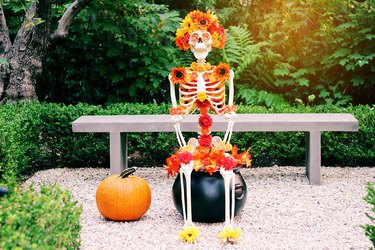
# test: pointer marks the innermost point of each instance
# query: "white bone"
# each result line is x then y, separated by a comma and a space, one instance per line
186, 170
228, 179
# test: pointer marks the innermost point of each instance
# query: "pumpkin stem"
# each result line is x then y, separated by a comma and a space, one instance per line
127, 172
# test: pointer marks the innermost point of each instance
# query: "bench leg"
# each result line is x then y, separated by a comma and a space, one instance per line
118, 148
313, 156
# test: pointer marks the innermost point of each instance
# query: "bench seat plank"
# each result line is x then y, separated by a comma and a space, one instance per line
243, 122
312, 124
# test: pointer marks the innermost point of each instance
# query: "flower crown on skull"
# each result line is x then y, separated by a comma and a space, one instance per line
198, 20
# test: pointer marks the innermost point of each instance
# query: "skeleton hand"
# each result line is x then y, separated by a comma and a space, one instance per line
176, 118
230, 112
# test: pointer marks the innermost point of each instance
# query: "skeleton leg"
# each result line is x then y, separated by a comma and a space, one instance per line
180, 137
186, 170
228, 133
229, 211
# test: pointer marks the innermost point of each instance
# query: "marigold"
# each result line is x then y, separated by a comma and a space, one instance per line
227, 163
201, 96
205, 121
185, 157
205, 140
178, 75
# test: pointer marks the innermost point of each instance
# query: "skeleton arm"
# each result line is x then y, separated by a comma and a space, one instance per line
230, 110
176, 118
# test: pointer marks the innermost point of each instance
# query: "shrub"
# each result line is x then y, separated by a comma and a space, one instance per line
51, 143
45, 220
370, 198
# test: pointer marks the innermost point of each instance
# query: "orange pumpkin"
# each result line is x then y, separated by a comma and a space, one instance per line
123, 197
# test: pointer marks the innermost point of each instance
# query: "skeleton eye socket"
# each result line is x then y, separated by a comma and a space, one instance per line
194, 38
206, 37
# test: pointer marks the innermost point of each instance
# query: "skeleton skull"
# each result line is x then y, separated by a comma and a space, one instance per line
200, 44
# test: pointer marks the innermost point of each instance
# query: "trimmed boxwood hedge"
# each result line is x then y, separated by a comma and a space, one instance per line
35, 136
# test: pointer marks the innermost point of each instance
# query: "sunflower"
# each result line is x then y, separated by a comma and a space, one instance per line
188, 25
222, 72
204, 21
189, 234
178, 75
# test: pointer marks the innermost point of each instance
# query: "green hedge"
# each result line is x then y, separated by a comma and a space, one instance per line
39, 220
39, 135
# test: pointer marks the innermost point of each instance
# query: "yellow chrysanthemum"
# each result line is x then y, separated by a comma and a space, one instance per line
201, 96
189, 234
230, 235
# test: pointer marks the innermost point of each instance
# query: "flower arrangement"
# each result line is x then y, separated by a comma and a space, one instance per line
210, 153
202, 87
197, 20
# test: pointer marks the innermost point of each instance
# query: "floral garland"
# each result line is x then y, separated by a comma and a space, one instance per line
210, 155
182, 75
197, 20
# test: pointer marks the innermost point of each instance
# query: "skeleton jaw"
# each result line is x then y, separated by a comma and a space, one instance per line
200, 44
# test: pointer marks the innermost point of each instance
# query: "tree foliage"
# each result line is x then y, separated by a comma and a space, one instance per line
116, 51
320, 48
282, 51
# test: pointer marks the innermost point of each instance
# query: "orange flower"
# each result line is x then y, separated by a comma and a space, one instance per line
211, 168
173, 165
178, 75
243, 158
222, 72
203, 21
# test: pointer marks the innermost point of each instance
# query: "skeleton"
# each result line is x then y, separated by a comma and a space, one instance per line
201, 44
199, 83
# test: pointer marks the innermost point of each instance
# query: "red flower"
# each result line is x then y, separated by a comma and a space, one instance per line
205, 140
205, 121
185, 157
227, 163
203, 107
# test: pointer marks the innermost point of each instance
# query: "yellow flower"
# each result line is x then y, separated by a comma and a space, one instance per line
186, 149
222, 146
230, 235
201, 96
189, 234
188, 25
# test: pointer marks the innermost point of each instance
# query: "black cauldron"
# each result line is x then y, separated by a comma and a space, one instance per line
208, 197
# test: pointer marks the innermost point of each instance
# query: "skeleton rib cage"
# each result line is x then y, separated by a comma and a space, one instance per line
213, 88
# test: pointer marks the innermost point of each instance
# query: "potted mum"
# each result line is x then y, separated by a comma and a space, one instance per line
209, 186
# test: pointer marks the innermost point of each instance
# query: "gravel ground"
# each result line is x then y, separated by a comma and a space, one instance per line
282, 211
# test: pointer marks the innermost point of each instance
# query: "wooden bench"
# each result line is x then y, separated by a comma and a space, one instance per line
118, 126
